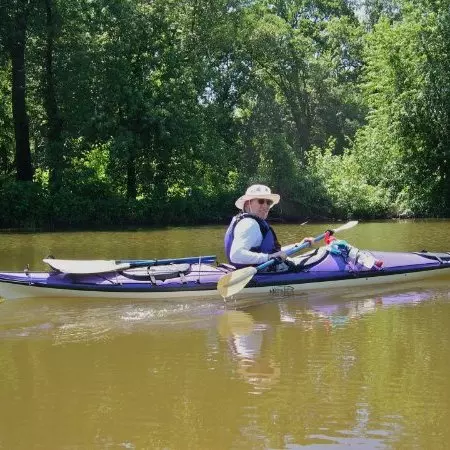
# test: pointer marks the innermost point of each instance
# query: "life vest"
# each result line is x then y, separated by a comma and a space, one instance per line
269, 243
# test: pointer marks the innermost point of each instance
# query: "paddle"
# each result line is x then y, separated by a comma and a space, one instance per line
163, 262
102, 266
234, 282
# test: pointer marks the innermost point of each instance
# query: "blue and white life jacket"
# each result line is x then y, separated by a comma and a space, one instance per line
269, 243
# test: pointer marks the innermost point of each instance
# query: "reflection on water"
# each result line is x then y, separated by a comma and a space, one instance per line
361, 368
250, 334
357, 368
249, 343
334, 312
69, 321
85, 320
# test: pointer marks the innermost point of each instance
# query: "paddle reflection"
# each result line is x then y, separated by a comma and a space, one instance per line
249, 342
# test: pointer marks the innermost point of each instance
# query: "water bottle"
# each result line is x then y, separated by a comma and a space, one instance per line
360, 257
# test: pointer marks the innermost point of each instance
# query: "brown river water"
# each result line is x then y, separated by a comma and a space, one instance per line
356, 368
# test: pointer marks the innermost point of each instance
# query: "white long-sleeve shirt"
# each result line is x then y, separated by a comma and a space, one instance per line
247, 234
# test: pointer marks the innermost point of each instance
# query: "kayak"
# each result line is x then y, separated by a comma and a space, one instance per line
198, 277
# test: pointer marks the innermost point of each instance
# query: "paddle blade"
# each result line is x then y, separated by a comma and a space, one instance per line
346, 226
85, 267
234, 282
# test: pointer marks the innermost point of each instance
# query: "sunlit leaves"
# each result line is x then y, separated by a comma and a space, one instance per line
407, 137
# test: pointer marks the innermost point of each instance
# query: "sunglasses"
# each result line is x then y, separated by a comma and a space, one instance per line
261, 201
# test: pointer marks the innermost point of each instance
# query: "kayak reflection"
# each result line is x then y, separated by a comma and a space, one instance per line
252, 335
342, 310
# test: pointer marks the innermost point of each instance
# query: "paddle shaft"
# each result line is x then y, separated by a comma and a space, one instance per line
290, 251
75, 266
298, 247
162, 262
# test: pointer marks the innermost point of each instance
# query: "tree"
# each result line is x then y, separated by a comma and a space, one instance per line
55, 146
407, 138
14, 18
309, 55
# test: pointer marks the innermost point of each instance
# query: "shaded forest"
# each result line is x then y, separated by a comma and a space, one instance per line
118, 113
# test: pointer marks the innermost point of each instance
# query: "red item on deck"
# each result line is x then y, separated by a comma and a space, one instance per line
329, 238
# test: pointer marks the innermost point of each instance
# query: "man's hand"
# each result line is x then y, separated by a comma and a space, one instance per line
307, 239
281, 255
329, 238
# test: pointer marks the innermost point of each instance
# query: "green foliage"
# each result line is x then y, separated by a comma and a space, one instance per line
87, 204
23, 205
351, 192
407, 139
308, 54
196, 207
6, 122
163, 112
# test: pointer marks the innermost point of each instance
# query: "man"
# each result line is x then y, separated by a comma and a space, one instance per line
250, 240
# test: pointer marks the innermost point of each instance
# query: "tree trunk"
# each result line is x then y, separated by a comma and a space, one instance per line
24, 168
131, 174
55, 147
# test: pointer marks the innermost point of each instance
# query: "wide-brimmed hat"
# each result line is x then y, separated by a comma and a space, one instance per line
257, 191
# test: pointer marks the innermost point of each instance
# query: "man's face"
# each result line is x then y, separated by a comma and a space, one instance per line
260, 207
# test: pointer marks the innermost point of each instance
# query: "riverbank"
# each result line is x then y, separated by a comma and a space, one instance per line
31, 207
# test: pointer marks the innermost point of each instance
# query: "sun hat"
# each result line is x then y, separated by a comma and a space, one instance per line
257, 191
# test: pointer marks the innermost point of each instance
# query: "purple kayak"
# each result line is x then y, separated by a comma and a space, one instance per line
189, 278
